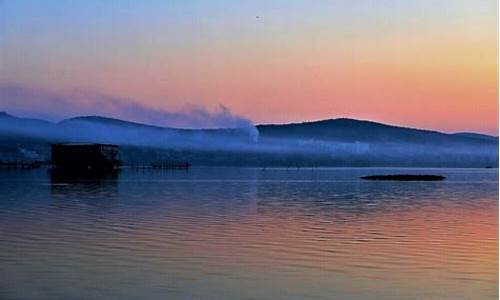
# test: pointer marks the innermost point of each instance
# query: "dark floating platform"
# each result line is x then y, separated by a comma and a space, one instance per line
405, 177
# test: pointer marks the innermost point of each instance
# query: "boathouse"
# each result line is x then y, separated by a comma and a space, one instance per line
78, 156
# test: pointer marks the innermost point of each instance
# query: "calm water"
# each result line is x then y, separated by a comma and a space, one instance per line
229, 233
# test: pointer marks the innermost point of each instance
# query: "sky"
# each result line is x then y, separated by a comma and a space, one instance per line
426, 64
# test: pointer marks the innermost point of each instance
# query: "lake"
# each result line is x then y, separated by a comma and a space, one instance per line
248, 233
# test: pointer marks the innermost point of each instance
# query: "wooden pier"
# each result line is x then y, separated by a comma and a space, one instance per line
164, 165
20, 164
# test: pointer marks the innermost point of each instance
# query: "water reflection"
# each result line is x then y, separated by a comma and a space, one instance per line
63, 181
227, 233
364, 198
58, 176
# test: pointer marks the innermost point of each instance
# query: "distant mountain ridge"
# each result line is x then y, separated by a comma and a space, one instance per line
341, 141
338, 127
346, 129
476, 135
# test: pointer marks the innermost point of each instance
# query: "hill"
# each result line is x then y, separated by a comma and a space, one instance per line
351, 130
334, 142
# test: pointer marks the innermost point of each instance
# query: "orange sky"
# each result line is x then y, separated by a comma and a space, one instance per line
417, 63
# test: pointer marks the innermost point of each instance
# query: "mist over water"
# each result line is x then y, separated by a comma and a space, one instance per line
241, 146
202, 135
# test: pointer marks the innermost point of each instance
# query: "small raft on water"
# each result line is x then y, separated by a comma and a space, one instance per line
405, 177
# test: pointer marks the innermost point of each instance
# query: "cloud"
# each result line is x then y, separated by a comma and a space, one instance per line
37, 103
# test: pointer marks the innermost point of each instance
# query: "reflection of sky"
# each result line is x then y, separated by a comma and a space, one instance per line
422, 63
230, 233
